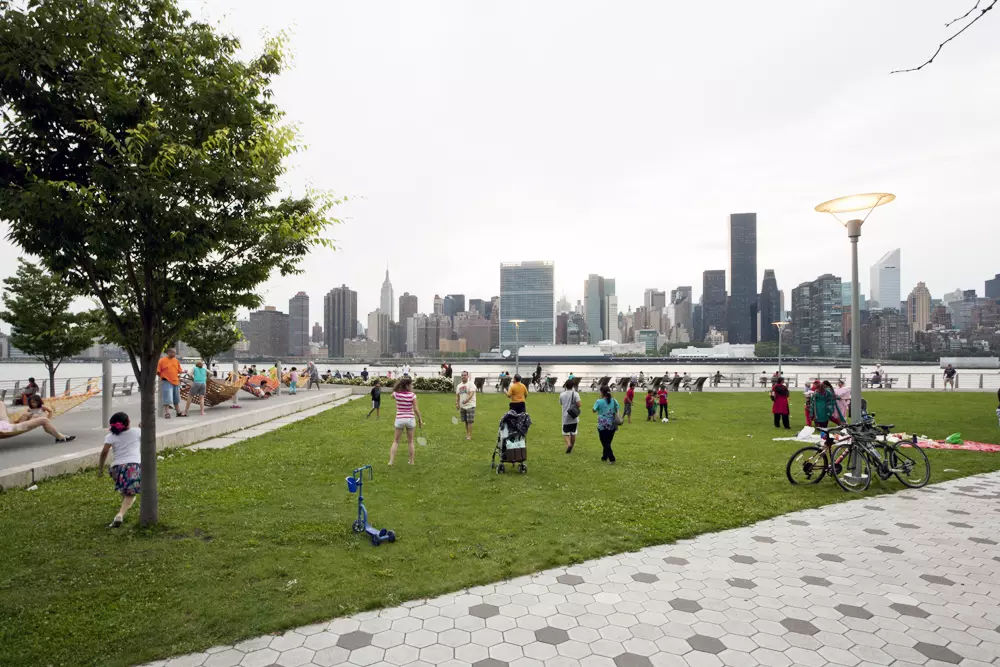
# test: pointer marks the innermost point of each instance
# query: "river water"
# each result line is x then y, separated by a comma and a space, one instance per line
918, 376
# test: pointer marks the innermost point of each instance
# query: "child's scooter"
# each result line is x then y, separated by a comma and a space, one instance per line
361, 525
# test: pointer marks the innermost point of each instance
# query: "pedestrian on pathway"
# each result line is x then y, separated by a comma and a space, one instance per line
215, 370
650, 405
517, 393
169, 370
629, 398
376, 399
606, 408
10, 426
31, 389
293, 381
199, 386
949, 378
126, 468
407, 416
570, 401
364, 374
661, 397
465, 403
823, 405
313, 372
779, 406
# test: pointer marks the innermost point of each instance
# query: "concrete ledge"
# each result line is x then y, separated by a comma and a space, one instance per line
236, 420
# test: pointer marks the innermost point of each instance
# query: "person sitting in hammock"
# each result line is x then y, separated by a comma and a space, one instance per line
12, 426
36, 408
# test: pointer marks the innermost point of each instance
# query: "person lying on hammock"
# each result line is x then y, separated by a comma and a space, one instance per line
11, 426
36, 408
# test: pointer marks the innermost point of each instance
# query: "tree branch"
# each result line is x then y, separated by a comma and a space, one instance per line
982, 12
974, 8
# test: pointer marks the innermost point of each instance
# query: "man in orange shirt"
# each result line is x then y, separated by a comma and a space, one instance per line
169, 370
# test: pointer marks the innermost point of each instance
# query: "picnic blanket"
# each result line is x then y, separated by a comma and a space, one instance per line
904, 439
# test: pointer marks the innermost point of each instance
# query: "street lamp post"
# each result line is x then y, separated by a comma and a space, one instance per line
517, 345
781, 327
850, 204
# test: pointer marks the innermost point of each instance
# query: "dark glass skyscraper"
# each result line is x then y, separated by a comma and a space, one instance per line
741, 317
527, 292
713, 300
298, 325
770, 307
340, 317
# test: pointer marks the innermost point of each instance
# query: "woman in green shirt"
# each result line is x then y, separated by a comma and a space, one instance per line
199, 377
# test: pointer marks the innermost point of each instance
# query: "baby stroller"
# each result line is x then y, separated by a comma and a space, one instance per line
512, 443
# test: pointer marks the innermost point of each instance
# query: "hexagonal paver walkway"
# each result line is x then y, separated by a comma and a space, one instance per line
889, 580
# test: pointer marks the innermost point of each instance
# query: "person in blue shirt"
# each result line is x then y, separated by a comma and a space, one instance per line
606, 408
199, 385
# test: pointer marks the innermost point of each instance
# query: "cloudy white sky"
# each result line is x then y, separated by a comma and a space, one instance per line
616, 137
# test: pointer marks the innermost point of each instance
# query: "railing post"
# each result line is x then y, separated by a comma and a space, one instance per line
933, 375
980, 380
277, 373
957, 375
107, 389
909, 381
236, 376
67, 386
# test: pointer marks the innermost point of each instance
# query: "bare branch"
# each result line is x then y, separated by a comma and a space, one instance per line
982, 12
974, 8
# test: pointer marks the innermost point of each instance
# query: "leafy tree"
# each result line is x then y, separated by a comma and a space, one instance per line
140, 158
769, 349
212, 334
37, 306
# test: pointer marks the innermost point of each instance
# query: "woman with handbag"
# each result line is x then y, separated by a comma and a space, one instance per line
608, 421
570, 401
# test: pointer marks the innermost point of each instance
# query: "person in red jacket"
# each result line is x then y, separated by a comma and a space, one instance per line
651, 405
779, 407
629, 399
661, 396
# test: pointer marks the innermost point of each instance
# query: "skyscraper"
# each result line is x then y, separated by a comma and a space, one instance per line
611, 319
918, 309
770, 307
993, 288
298, 325
481, 306
527, 292
268, 333
713, 300
742, 277
596, 290
407, 306
680, 310
317, 333
453, 304
438, 305
387, 302
817, 312
340, 318
378, 330
885, 281
654, 298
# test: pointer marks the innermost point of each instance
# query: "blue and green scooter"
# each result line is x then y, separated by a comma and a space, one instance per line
361, 525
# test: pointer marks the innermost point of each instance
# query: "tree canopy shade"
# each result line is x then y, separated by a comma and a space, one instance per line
212, 334
140, 159
37, 306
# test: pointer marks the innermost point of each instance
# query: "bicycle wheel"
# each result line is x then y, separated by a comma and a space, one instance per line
806, 466
910, 465
855, 472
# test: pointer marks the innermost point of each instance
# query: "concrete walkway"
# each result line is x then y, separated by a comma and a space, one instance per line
907, 579
31, 457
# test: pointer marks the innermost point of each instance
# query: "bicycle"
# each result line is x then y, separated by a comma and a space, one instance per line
866, 451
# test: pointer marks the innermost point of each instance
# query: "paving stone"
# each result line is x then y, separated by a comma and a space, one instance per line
682, 604
909, 610
632, 660
935, 579
875, 531
889, 550
982, 540
764, 539
740, 558
959, 524
645, 577
799, 626
833, 558
909, 526
354, 640
798, 522
741, 583
673, 560
939, 653
569, 579
853, 611
816, 581
490, 662
706, 644
484, 610
550, 635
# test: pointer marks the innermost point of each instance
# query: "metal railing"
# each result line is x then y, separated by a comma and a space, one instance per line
11, 390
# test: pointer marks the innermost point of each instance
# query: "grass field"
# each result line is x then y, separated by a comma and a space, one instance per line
256, 538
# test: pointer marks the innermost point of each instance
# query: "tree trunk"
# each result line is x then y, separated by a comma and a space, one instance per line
149, 503
52, 380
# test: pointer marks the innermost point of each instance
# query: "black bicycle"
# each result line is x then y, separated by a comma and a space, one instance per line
866, 452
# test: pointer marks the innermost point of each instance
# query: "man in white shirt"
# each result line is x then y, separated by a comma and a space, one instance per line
465, 403
406, 370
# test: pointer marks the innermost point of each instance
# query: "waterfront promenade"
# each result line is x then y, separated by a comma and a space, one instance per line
33, 456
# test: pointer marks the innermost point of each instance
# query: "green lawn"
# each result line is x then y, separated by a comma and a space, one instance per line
256, 538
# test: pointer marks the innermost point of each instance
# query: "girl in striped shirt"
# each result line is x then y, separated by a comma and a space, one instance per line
407, 416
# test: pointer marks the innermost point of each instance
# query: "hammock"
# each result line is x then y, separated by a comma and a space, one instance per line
260, 386
59, 405
216, 391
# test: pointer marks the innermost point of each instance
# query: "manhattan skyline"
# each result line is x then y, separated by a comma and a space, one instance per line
456, 131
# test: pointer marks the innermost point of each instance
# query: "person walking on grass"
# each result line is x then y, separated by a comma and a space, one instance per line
126, 468
407, 416
779, 406
376, 399
465, 403
823, 406
650, 405
606, 408
629, 399
570, 401
661, 397
517, 393
293, 380
169, 370
199, 386
949, 378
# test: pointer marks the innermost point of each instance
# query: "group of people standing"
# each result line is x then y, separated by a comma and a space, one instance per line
823, 403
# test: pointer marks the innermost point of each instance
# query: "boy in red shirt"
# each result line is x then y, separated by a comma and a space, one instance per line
651, 406
661, 394
629, 398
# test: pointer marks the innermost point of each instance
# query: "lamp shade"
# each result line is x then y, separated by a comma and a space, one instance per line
855, 202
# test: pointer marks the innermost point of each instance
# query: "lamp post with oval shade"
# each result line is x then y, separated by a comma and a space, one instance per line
517, 345
850, 204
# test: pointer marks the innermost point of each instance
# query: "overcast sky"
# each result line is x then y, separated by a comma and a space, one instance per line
616, 137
